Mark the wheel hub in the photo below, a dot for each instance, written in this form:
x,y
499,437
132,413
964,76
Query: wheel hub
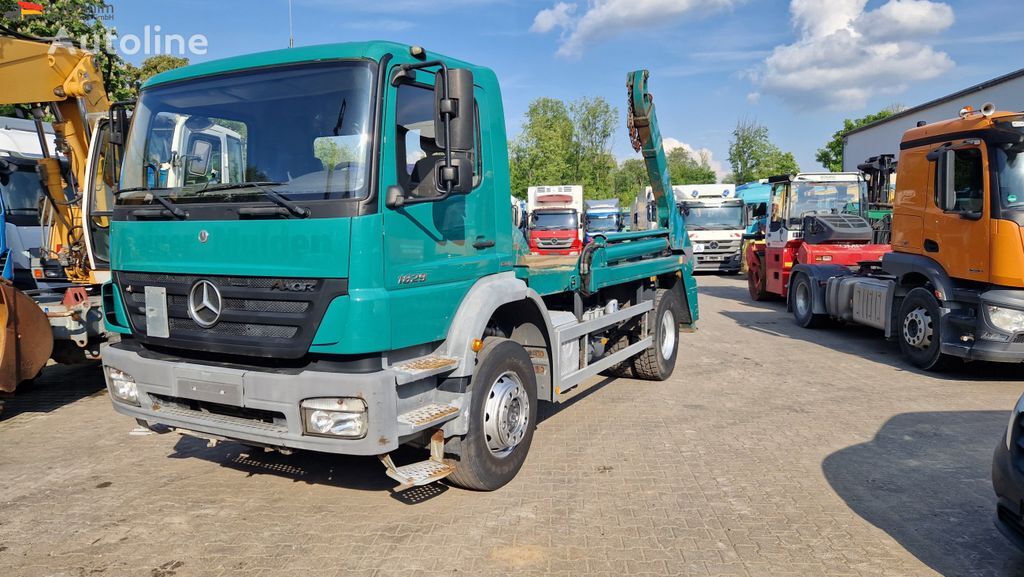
x,y
918,329
668,333
506,414
802,299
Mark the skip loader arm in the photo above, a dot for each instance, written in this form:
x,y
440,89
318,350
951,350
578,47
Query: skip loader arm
x,y
646,139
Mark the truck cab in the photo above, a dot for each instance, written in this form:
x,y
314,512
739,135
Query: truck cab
x,y
360,286
715,221
555,219
603,216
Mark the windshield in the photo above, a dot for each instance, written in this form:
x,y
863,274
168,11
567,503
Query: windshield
x,y
22,191
555,220
824,198
603,222
1010,166
714,217
307,128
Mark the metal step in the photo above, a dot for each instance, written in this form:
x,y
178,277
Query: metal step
x,y
422,473
423,367
431,414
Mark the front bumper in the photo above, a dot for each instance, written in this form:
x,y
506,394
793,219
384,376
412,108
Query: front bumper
x,y
718,262
1008,482
261,392
975,348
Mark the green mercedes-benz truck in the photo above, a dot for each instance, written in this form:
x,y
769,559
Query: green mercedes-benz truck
x,y
346,277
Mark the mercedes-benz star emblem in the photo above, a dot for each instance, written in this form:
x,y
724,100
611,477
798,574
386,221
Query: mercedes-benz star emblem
x,y
204,304
203,236
713,245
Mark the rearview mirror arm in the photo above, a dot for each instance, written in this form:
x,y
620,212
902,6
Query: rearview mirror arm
x,y
446,111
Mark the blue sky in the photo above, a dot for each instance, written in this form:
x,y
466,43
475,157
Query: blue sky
x,y
797,67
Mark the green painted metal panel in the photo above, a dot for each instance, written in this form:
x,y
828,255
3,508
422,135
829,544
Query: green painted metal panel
x,y
310,248
111,293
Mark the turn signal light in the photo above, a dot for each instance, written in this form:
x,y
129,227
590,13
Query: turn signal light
x,y
477,345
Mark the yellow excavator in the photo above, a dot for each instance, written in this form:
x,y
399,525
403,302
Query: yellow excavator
x,y
59,83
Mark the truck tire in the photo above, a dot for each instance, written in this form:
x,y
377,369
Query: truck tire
x,y
625,368
502,418
802,294
918,331
658,361
757,279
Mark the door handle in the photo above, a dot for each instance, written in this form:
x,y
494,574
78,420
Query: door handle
x,y
930,245
482,243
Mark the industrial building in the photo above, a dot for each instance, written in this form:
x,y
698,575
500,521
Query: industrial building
x,y
883,137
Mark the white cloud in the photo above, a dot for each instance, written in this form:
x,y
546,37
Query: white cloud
x,y
559,16
605,18
670,144
844,55
753,97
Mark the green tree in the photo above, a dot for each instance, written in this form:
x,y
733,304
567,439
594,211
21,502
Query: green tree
x,y
752,155
76,20
683,168
629,179
594,121
831,155
155,65
543,153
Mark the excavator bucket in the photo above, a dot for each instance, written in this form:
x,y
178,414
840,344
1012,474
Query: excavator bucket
x,y
26,340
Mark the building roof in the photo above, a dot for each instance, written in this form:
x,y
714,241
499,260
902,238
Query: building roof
x,y
942,100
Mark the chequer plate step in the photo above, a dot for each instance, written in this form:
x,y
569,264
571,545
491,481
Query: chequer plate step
x,y
427,415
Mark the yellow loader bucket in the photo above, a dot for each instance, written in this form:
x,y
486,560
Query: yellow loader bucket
x,y
26,340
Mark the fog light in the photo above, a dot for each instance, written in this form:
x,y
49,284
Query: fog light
x,y
337,417
123,386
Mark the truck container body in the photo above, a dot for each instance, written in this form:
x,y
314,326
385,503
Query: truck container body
x,y
603,216
715,222
555,219
342,299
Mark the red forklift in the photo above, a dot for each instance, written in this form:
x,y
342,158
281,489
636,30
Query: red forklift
x,y
814,219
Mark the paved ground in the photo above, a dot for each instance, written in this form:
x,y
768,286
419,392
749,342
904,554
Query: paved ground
x,y
772,451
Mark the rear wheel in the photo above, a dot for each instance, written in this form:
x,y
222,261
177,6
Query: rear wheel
x,y
658,361
802,294
756,278
919,331
503,416
614,345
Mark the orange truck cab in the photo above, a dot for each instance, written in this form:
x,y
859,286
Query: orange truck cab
x,y
953,285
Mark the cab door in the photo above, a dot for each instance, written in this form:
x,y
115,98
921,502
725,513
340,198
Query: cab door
x,y
102,173
434,248
957,236
775,237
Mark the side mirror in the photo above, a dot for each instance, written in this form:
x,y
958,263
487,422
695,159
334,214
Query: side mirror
x,y
945,182
117,116
199,157
454,104
394,197
459,174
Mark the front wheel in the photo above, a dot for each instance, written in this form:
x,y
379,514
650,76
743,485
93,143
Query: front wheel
x,y
658,361
503,416
802,294
920,331
756,279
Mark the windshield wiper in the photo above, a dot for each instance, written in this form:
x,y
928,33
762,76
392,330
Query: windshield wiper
x,y
175,211
263,188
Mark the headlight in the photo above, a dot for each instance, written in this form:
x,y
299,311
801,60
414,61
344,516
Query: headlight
x,y
337,417
123,387
1009,320
1013,418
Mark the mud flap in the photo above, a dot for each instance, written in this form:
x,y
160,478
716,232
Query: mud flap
x,y
26,341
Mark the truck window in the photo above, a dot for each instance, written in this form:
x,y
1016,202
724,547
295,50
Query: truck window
x,y
968,181
236,160
418,151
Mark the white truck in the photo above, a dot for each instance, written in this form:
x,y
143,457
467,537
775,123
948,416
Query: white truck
x,y
555,219
715,222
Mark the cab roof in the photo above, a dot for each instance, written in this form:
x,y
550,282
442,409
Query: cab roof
x,y
974,121
372,50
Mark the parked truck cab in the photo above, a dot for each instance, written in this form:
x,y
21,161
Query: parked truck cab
x,y
556,219
358,288
715,221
